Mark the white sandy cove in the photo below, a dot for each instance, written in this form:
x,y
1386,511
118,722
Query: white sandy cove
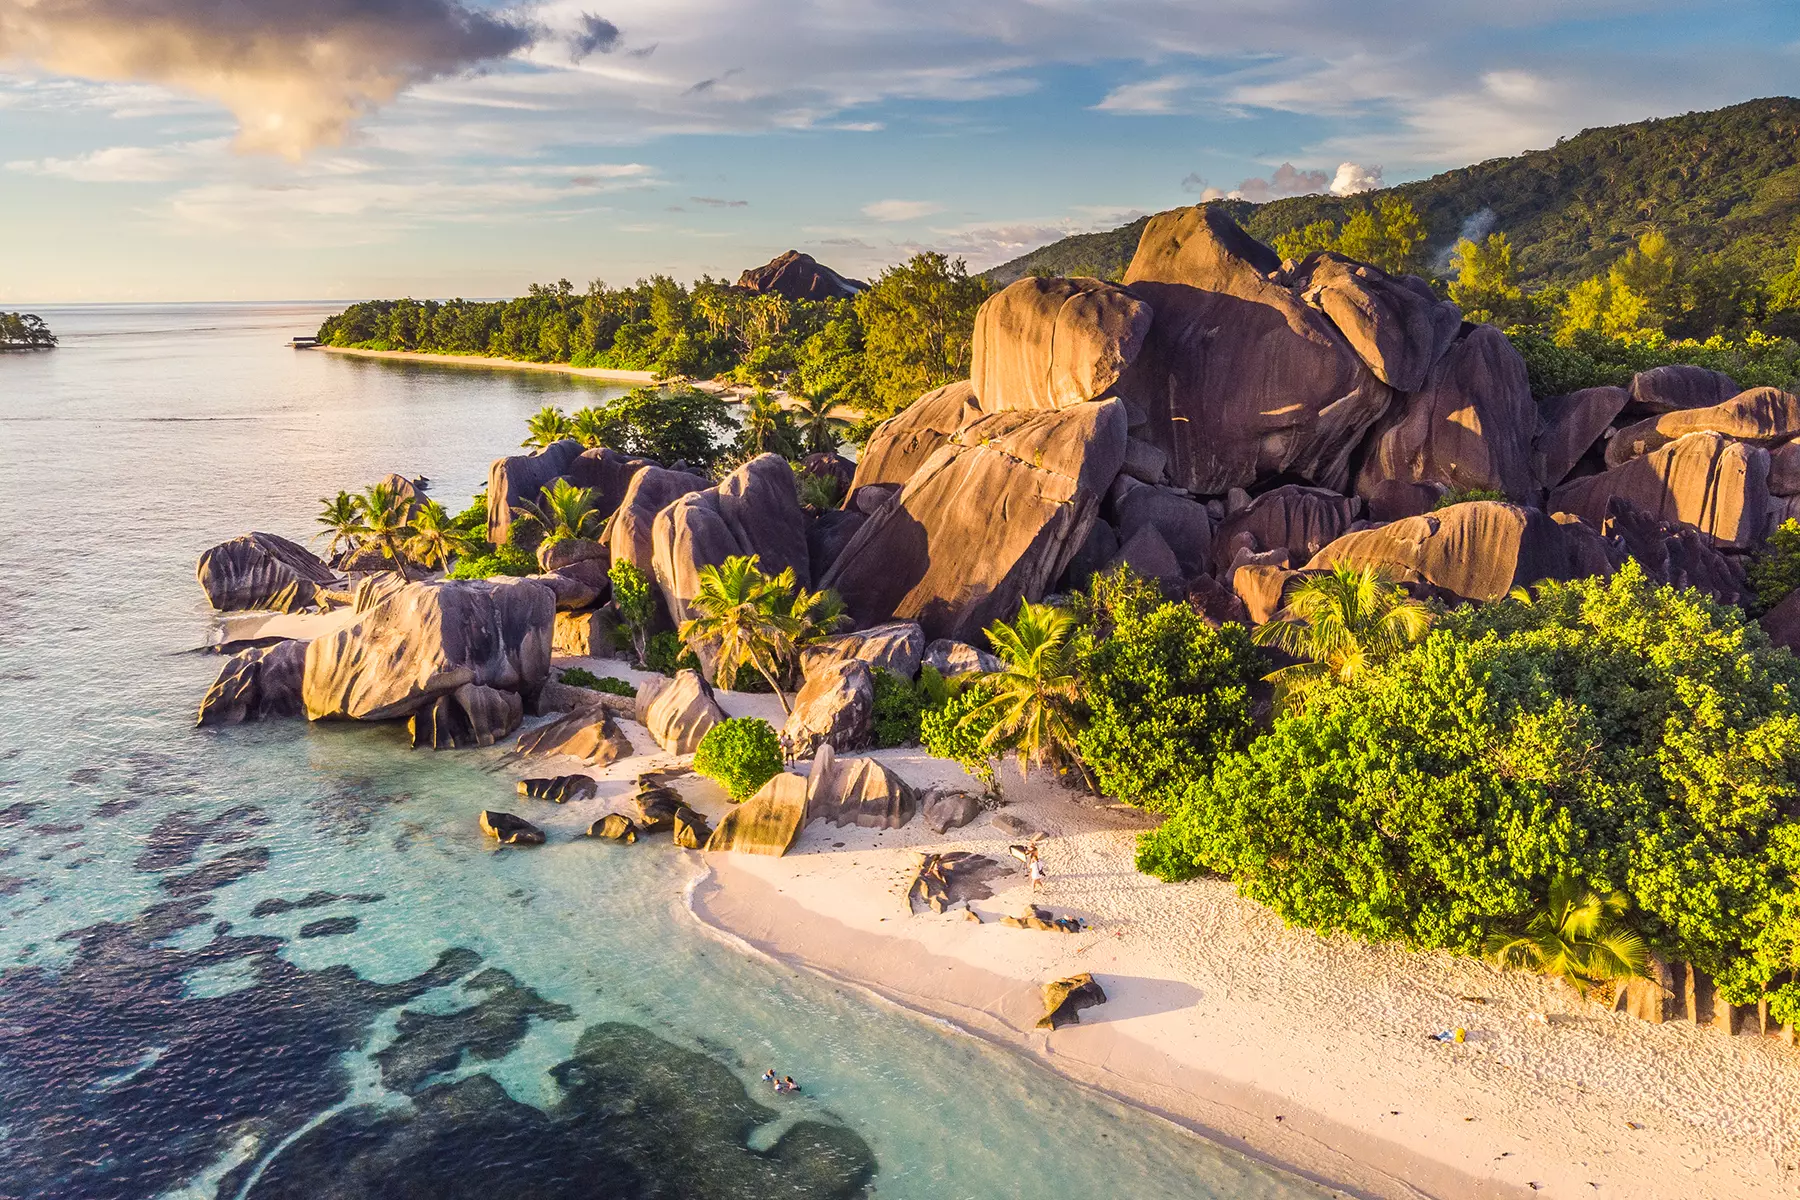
x,y
1305,1051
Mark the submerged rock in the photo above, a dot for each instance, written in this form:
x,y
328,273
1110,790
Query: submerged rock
x,y
614,827
560,789
657,806
510,830
262,570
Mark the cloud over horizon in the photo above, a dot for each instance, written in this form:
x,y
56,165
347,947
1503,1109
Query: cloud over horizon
x,y
295,73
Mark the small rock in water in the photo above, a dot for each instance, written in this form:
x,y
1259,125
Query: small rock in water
x,y
559,788
691,829
614,828
510,830
656,808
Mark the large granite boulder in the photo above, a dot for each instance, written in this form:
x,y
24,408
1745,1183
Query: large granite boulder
x,y
678,711
1049,342
1147,555
470,716
901,444
583,634
1470,426
257,684
753,511
1666,389
767,823
799,276
564,553
509,829
1479,550
1570,426
1241,380
1097,549
262,571
1762,415
1300,520
834,708
948,658
518,479
590,735
827,535
425,641
578,586
608,473
1183,525
988,520
1717,485
1394,323
651,490
858,791
1784,470
1065,998
896,647
1671,552
1782,622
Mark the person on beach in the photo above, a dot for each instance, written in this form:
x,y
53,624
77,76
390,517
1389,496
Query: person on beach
x,y
1036,866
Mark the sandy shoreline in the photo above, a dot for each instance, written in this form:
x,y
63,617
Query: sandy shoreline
x,y
603,374
1309,1054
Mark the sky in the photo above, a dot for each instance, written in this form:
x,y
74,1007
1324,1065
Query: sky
x,y
155,150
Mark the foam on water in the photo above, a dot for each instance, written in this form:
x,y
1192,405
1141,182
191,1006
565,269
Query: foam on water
x,y
301,963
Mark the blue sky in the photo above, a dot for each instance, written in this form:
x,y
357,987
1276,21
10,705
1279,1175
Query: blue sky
x,y
264,149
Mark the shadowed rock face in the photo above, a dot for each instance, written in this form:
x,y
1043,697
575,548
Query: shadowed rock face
x,y
990,518
1718,486
426,640
799,277
754,510
1300,520
261,570
1672,553
1242,380
470,716
1570,426
1471,426
1475,551
901,444
1180,524
1394,323
1050,343
1666,389
1762,415
257,684
518,478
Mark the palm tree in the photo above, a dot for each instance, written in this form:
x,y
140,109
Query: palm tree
x,y
818,427
547,426
1578,939
762,422
593,426
436,537
563,511
1032,706
386,521
342,521
1343,621
745,614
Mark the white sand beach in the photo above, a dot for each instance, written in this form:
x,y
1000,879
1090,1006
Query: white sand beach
x,y
1309,1052
604,374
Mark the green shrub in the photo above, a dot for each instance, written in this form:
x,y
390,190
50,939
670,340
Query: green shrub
x,y
949,731
1774,570
635,602
898,707
504,560
740,754
1166,692
1633,737
666,652
581,677
1465,495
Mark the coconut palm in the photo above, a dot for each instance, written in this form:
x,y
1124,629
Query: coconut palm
x,y
594,426
436,537
1032,704
747,617
819,429
762,424
548,425
342,521
1578,938
562,511
1342,621
386,521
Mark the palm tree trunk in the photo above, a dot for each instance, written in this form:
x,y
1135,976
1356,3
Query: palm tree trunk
x,y
399,560
770,680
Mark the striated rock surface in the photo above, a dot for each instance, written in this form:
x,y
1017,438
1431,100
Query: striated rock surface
x,y
470,716
559,789
582,635
689,830
261,570
425,641
1666,389
1672,553
518,478
1570,426
590,735
1241,380
651,490
1065,998
901,444
1050,343
256,685
799,276
753,511
1479,551
768,822
895,647
1394,323
608,472
991,518
859,791
614,827
678,711
1300,520
1182,525
1470,426
948,658
834,708
510,830
1706,480
1762,415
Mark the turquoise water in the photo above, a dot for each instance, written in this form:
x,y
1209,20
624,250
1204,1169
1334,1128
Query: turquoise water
x,y
279,960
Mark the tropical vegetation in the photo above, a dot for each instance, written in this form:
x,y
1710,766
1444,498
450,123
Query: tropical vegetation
x,y
740,754
24,331
747,618
1340,622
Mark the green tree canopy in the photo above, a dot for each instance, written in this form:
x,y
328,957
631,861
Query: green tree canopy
x,y
918,321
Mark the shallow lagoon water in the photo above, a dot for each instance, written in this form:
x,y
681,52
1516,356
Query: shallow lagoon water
x,y
280,960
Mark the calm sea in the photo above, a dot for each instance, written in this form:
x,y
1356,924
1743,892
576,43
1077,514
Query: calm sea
x,y
280,961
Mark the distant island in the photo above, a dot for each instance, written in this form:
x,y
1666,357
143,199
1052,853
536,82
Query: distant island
x,y
24,331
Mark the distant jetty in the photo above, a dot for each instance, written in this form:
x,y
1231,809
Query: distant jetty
x,y
605,374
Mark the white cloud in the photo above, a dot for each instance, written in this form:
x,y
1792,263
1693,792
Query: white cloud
x,y
126,164
1352,178
1151,97
901,210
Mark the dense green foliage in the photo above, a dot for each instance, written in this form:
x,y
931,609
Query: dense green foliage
x,y
667,653
1457,496
1164,692
500,560
636,604
670,425
1593,360
918,323
581,677
1630,737
959,729
740,754
898,707
1774,570
24,331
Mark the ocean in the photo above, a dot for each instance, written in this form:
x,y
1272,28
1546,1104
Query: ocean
x,y
280,960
